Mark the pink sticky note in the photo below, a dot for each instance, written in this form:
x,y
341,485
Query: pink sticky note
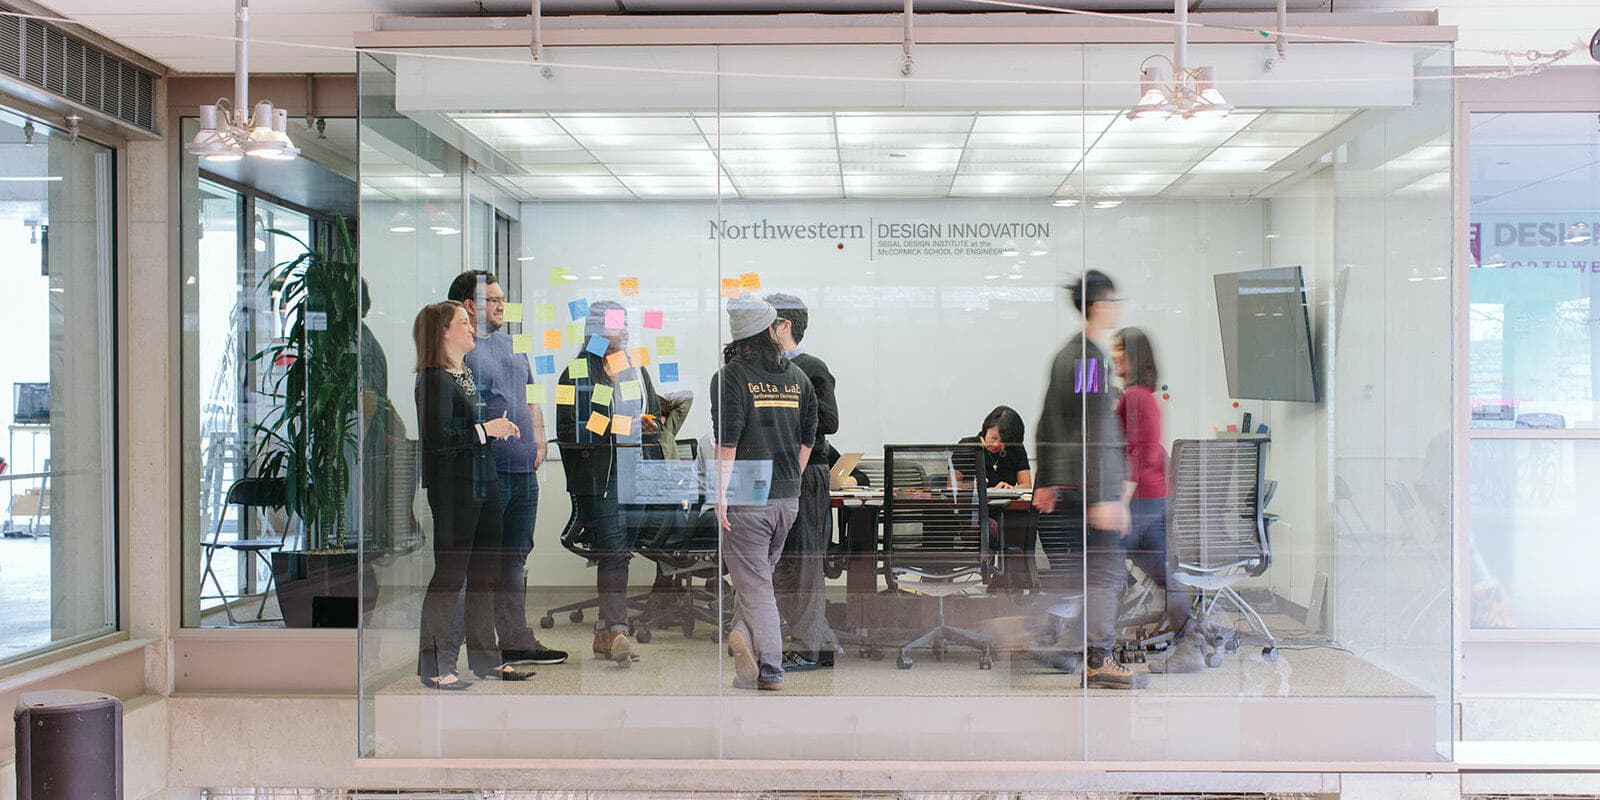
x,y
652,319
614,319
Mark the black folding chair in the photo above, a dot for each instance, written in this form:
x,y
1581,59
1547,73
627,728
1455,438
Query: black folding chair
x,y
246,493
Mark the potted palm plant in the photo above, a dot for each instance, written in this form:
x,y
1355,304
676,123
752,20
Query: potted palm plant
x,y
309,439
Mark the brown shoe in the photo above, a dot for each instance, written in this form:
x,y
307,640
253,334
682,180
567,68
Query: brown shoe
x,y
613,644
1104,672
745,669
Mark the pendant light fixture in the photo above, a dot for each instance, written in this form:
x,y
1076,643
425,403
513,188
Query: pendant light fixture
x,y
1192,92
229,131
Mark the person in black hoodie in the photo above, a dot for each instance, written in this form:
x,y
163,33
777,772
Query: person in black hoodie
x,y
464,496
800,580
1081,471
590,461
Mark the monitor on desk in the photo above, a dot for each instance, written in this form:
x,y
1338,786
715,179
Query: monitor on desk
x,y
30,403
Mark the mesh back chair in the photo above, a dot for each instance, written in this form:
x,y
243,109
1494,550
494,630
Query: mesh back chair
x,y
1216,527
908,474
682,540
246,493
936,538
578,537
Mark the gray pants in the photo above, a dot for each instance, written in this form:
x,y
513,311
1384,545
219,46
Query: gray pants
x,y
751,550
800,581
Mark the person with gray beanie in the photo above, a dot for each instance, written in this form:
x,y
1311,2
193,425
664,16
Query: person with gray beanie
x,y
764,421
800,579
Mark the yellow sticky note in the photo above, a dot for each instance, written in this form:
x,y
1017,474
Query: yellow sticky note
x,y
617,362
535,393
630,287
597,423
575,333
544,312
601,396
566,394
578,368
730,287
513,312
641,357
666,346
621,425
552,338
522,343
631,390
559,276
750,281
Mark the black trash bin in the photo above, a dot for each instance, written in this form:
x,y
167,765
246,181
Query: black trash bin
x,y
69,746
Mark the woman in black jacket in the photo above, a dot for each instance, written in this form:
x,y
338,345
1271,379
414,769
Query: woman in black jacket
x,y
464,496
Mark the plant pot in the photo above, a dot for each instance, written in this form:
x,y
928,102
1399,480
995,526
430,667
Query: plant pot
x,y
320,589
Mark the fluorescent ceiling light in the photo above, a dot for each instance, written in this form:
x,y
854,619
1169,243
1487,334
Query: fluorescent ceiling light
x,y
30,179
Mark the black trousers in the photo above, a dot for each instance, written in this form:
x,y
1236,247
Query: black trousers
x,y
466,552
1080,555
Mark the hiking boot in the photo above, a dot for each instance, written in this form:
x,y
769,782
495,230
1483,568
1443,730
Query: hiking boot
x,y
537,654
612,644
1104,672
1188,655
745,669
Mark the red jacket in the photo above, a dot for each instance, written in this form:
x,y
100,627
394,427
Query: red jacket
x,y
1141,429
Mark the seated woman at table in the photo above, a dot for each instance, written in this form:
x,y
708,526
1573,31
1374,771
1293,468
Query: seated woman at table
x,y
1006,464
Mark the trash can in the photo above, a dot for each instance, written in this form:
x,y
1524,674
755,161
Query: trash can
x,y
69,746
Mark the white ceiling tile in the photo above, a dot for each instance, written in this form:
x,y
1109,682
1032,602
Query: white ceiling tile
x,y
601,141
765,124
1063,156
858,124
1141,155
1291,121
682,125
1069,123
900,141
787,181
1073,141
1004,185
765,141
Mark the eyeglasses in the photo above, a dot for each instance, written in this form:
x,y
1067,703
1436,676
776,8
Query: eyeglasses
x,y
494,301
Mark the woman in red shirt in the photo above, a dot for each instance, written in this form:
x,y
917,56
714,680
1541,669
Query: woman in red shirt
x,y
1146,489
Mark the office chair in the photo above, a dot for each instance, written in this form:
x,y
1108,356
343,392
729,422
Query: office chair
x,y
936,539
682,540
1216,526
246,493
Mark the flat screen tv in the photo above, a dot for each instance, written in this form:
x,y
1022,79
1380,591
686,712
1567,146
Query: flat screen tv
x,y
1266,335
30,403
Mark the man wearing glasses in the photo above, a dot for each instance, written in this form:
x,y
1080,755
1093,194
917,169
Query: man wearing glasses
x,y
502,377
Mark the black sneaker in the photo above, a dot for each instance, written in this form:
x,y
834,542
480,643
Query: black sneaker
x,y
797,662
537,654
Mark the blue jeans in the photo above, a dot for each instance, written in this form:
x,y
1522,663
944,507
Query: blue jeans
x,y
1147,549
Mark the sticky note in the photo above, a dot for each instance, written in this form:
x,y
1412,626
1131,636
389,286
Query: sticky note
x,y
578,368
597,423
552,338
621,424
652,319
615,319
545,312
597,345
578,308
750,281
630,287
513,312
575,332
669,372
535,393
544,365
641,356
730,287
601,396
631,390
566,394
617,362
522,343
666,346
559,276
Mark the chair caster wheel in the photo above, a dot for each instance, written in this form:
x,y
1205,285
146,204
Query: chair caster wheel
x,y
643,636
1269,653
1214,660
985,662
547,622
576,616
901,662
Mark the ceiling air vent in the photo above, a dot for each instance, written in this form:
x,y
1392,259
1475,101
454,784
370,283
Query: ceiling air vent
x,y
49,58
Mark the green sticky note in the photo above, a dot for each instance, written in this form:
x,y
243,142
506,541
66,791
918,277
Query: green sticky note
x,y
522,343
559,276
575,332
545,312
631,390
602,395
578,368
535,393
666,346
513,312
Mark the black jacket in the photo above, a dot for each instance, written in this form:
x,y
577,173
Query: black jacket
x,y
454,456
823,383
1078,438
590,461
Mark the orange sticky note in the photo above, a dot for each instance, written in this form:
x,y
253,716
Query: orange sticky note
x,y
730,287
621,425
750,281
552,338
630,287
597,423
641,356
566,394
617,362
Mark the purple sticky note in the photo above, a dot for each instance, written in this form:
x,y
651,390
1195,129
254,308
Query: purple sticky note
x,y
579,308
652,319
615,319
597,345
544,365
669,372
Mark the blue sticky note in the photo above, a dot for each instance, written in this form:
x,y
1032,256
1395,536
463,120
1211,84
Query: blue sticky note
x,y
598,344
669,372
579,308
544,365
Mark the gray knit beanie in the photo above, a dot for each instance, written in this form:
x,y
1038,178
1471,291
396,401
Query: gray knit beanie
x,y
749,315
595,324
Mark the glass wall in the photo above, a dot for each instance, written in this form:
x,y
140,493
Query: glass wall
x,y
1535,267
56,388
1118,429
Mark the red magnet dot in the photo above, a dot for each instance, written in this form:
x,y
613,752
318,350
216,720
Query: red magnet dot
x,y
1165,396
1235,405
840,245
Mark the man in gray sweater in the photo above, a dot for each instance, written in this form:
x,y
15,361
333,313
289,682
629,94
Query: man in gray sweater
x,y
1080,476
